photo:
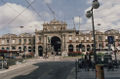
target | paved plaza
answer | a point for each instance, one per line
(82, 74)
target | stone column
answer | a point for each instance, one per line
(36, 46)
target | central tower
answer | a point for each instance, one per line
(51, 38)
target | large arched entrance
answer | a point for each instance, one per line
(40, 50)
(70, 48)
(56, 44)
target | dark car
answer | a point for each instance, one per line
(3, 64)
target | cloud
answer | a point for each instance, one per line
(48, 1)
(29, 28)
(77, 19)
(107, 15)
(28, 18)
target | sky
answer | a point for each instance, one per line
(33, 13)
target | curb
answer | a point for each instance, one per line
(15, 67)
(31, 62)
(27, 62)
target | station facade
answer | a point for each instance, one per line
(56, 38)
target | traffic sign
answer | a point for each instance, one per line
(110, 39)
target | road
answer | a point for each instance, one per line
(44, 70)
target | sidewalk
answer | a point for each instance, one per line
(31, 61)
(28, 62)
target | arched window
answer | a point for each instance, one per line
(24, 48)
(70, 48)
(19, 48)
(77, 48)
(29, 49)
(83, 48)
(7, 48)
(13, 47)
(88, 47)
(92, 46)
(100, 46)
(3, 48)
(40, 50)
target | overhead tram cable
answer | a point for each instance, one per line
(21, 12)
(34, 9)
(52, 11)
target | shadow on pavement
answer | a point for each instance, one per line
(49, 70)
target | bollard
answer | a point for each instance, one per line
(99, 71)
(2, 63)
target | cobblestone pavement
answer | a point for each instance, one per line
(82, 74)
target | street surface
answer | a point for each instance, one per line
(82, 74)
(43, 70)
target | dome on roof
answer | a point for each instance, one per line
(25, 35)
(112, 31)
(96, 32)
(9, 35)
(54, 21)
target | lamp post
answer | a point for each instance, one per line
(21, 27)
(46, 46)
(90, 14)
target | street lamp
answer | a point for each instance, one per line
(89, 14)
(46, 46)
(23, 48)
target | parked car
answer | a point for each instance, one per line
(4, 64)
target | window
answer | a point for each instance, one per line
(70, 37)
(106, 45)
(24, 48)
(24, 40)
(116, 37)
(100, 38)
(20, 49)
(92, 38)
(3, 41)
(8, 41)
(34, 49)
(88, 47)
(100, 46)
(3, 48)
(13, 47)
(87, 38)
(49, 39)
(70, 48)
(77, 48)
(83, 48)
(29, 41)
(19, 40)
(29, 49)
(55, 27)
(77, 39)
(13, 41)
(106, 37)
(39, 38)
(7, 48)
